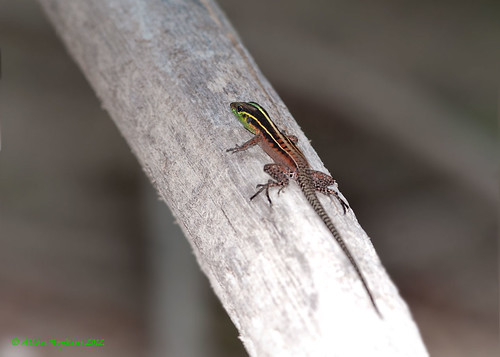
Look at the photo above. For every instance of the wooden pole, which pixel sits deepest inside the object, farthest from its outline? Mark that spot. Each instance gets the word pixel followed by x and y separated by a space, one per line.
pixel 166 72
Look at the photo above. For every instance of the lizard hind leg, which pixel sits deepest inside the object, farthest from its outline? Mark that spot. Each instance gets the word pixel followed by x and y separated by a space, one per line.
pixel 280 173
pixel 322 181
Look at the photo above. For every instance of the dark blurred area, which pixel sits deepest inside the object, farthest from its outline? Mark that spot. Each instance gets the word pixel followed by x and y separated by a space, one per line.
pixel 399 99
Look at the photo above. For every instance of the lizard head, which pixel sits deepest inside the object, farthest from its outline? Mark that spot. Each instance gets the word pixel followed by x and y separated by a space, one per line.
pixel 249 114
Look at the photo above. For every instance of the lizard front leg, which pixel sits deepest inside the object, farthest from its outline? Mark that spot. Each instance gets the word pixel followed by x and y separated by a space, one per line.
pixel 281 173
pixel 322 181
pixel 293 138
pixel 252 142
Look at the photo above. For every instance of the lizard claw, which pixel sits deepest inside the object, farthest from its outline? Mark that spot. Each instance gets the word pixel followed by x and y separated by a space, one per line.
pixel 345 206
pixel 233 150
pixel 261 188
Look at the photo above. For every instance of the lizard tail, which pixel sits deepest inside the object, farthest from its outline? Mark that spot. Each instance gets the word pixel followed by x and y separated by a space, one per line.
pixel 306 184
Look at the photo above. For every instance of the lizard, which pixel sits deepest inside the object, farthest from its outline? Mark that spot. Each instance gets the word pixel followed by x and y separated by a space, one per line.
pixel 291 164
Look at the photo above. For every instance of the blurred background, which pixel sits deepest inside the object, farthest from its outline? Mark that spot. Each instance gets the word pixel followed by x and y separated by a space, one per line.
pixel 400 100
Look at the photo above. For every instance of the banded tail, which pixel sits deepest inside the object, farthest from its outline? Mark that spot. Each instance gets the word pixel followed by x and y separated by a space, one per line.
pixel 306 184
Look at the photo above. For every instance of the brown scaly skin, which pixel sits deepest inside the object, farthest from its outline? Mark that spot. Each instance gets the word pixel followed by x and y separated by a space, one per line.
pixel 290 163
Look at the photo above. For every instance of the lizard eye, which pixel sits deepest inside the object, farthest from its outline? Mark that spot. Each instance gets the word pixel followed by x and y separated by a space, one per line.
pixel 239 109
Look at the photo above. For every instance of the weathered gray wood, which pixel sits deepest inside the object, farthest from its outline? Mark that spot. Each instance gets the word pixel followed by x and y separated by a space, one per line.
pixel 166 71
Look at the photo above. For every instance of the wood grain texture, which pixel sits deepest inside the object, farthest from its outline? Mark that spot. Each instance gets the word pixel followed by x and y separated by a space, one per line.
pixel 166 72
